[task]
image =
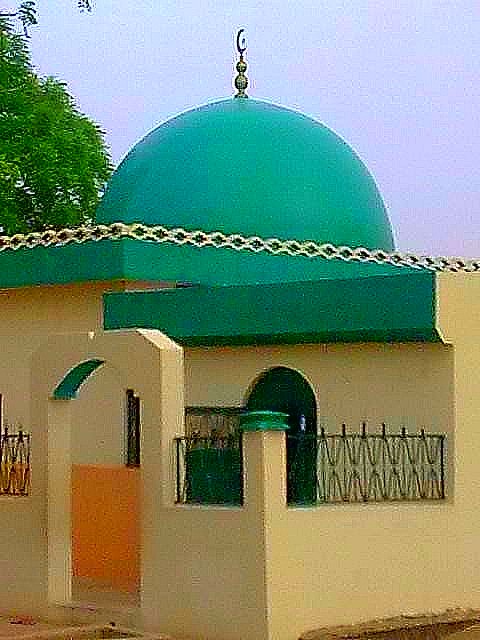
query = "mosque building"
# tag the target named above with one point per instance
(232, 399)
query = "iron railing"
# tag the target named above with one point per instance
(209, 469)
(364, 467)
(14, 463)
(203, 421)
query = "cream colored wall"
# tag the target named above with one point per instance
(210, 568)
(203, 573)
(27, 317)
(98, 421)
(343, 563)
(355, 562)
(212, 560)
(402, 384)
(148, 362)
(266, 572)
(48, 309)
(346, 563)
(23, 560)
(459, 321)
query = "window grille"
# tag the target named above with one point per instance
(216, 421)
(14, 463)
(133, 429)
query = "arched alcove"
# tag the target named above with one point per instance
(286, 390)
(87, 420)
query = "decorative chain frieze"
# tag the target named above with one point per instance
(237, 242)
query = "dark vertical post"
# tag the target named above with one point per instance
(442, 466)
(178, 444)
(133, 429)
(137, 430)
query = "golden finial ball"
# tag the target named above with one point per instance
(241, 83)
(241, 66)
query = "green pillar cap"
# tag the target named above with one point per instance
(264, 421)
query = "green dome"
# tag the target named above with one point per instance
(253, 168)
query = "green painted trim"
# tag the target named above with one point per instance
(91, 261)
(398, 308)
(131, 260)
(214, 266)
(68, 387)
(264, 421)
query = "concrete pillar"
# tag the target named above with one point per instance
(59, 508)
(265, 477)
(265, 494)
(163, 419)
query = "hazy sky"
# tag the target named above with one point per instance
(399, 81)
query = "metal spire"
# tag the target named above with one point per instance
(241, 81)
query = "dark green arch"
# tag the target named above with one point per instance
(68, 387)
(286, 390)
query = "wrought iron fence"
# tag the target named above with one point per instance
(204, 421)
(209, 469)
(14, 463)
(364, 467)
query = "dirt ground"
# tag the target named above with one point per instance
(19, 627)
(454, 624)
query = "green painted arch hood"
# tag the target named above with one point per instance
(249, 167)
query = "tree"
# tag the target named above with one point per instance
(53, 160)
(27, 12)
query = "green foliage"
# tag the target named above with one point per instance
(27, 13)
(53, 160)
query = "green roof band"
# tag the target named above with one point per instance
(68, 387)
(395, 308)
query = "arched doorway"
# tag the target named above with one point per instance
(286, 390)
(100, 536)
(151, 365)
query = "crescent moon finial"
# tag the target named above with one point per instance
(241, 81)
(241, 42)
